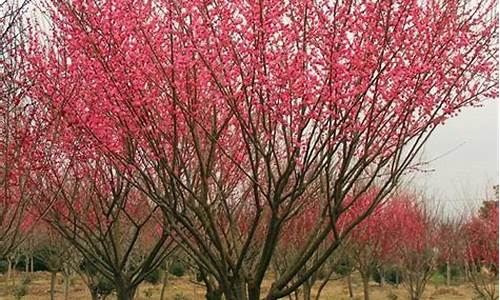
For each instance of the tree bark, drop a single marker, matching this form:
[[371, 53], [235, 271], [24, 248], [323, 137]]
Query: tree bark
[[366, 288], [53, 285], [164, 285], [93, 294], [9, 269], [448, 273], [125, 291], [253, 292], [213, 291], [66, 285], [127, 294], [382, 276], [213, 294], [349, 285], [306, 290], [237, 291]]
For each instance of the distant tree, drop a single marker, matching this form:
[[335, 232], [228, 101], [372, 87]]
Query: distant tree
[[55, 253], [416, 251], [373, 241], [450, 245], [481, 250]]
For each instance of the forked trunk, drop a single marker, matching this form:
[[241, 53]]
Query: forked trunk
[[238, 291]]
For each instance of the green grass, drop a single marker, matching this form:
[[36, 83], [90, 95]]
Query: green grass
[[438, 278]]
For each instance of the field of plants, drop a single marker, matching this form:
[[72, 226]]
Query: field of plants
[[186, 288]]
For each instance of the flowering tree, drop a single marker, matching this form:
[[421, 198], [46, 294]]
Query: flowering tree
[[294, 235], [481, 251], [55, 253], [231, 114], [18, 134], [116, 230], [416, 250], [450, 245], [374, 240]]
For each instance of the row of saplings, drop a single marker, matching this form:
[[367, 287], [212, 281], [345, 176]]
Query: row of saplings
[[99, 287]]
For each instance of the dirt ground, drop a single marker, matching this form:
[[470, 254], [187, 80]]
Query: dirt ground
[[184, 289]]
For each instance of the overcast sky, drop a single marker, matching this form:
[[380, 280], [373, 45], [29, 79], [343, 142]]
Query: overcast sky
[[468, 166]]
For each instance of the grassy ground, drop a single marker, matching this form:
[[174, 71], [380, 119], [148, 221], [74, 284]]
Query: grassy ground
[[39, 287]]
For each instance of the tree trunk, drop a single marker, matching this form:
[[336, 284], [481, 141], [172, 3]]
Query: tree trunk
[[93, 294], [349, 285], [254, 292], [125, 292], [448, 273], [366, 288], [9, 268], [213, 291], [237, 291], [164, 285], [213, 294], [32, 264], [306, 289], [53, 285], [241, 291], [66, 285], [382, 276]]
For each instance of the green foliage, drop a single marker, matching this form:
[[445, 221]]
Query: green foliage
[[343, 268], [46, 256], [199, 276], [88, 267], [103, 287], [38, 264], [21, 263], [438, 278], [455, 272], [177, 269], [391, 276], [19, 291], [4, 266], [153, 277]]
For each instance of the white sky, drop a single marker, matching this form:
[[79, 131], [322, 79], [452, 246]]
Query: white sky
[[467, 167]]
